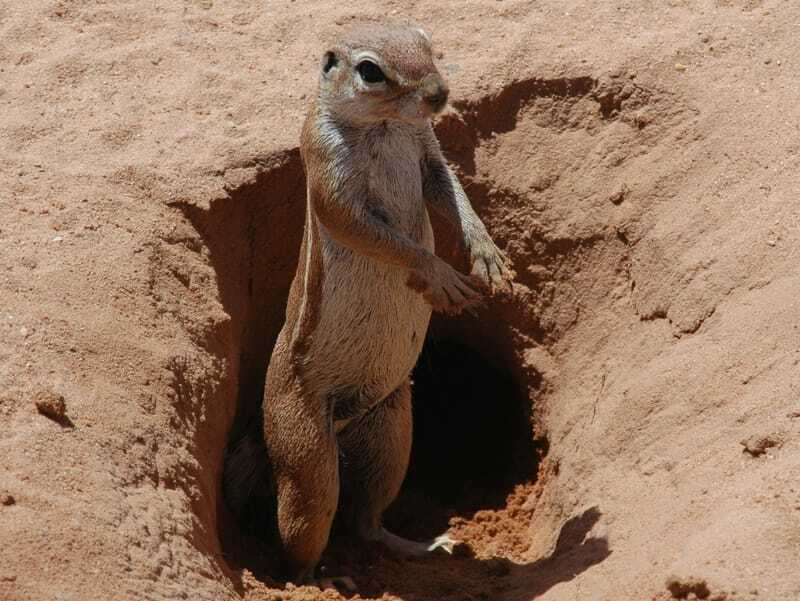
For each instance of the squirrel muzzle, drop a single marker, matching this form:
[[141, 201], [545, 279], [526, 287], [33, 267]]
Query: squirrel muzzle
[[434, 91]]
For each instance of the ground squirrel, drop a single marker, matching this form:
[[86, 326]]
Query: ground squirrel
[[337, 403]]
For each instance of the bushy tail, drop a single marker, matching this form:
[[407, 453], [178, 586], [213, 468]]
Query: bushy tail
[[248, 485]]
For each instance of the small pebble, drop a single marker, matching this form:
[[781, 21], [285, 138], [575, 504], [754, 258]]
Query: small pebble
[[6, 499], [680, 67], [619, 195], [687, 588], [51, 405], [757, 445]]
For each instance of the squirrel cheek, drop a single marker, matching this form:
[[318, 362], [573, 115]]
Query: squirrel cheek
[[411, 107]]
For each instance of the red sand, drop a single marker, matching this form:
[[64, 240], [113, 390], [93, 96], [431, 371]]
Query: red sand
[[638, 161]]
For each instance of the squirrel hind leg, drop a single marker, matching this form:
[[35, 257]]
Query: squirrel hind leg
[[376, 449]]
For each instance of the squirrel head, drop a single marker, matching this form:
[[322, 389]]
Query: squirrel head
[[381, 73]]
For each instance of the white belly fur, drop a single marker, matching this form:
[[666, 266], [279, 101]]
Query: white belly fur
[[371, 327]]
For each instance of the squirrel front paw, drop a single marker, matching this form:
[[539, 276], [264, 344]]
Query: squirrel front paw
[[489, 263], [444, 288]]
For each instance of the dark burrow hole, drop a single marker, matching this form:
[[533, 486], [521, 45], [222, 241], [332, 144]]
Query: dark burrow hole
[[473, 435]]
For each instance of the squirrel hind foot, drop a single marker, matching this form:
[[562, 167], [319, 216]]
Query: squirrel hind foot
[[408, 548]]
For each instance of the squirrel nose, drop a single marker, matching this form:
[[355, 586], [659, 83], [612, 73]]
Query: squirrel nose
[[435, 92]]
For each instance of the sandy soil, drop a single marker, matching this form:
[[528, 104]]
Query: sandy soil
[[627, 426]]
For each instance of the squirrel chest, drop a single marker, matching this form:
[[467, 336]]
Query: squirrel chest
[[371, 325]]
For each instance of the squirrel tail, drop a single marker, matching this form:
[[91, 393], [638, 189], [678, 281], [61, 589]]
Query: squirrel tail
[[248, 485]]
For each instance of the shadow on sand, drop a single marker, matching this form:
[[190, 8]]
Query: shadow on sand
[[454, 578]]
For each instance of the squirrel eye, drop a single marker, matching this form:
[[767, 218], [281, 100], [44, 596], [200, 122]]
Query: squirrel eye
[[370, 72], [330, 62]]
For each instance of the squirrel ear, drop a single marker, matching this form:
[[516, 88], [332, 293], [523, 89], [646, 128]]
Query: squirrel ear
[[329, 62]]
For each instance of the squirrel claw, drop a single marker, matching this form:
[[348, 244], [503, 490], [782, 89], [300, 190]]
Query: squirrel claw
[[444, 543]]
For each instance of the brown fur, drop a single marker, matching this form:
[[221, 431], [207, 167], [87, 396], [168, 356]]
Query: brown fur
[[359, 306]]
